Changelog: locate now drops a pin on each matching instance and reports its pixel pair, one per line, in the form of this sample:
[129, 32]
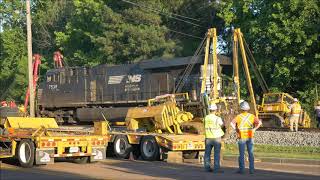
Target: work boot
[251, 171]
[208, 169]
[240, 172]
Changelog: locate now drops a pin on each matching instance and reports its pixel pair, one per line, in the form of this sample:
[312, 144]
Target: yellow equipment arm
[211, 39]
[246, 68]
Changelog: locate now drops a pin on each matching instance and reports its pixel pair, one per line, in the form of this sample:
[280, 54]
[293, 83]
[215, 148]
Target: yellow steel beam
[246, 68]
[236, 65]
[205, 63]
[215, 93]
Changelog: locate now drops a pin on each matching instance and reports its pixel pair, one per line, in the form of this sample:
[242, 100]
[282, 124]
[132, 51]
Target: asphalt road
[125, 169]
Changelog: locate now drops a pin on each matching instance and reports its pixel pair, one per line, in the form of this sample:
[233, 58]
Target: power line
[161, 11]
[178, 32]
[165, 14]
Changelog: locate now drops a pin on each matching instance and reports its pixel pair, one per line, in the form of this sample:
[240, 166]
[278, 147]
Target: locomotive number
[53, 87]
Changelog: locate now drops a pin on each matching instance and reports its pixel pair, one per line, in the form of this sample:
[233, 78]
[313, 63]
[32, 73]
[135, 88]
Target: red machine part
[36, 63]
[57, 58]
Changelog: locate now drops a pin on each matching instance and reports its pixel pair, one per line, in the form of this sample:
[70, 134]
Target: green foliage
[13, 65]
[98, 34]
[284, 37]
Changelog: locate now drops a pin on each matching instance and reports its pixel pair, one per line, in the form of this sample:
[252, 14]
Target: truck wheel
[121, 147]
[149, 148]
[81, 160]
[25, 153]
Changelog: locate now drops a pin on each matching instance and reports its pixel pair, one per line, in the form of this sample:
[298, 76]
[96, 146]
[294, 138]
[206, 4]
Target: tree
[13, 65]
[98, 34]
[13, 56]
[284, 37]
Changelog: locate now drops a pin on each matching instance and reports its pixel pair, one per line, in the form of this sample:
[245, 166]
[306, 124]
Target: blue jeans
[210, 143]
[242, 145]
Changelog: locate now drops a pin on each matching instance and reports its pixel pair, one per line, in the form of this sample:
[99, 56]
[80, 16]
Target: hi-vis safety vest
[212, 126]
[245, 125]
[296, 109]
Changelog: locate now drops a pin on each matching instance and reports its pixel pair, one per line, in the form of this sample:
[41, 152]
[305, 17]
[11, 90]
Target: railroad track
[316, 130]
[90, 128]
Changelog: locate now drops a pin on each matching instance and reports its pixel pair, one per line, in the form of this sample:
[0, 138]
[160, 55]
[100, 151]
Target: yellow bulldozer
[275, 111]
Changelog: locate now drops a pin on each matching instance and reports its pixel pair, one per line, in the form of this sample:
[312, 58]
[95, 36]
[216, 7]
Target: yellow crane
[274, 109]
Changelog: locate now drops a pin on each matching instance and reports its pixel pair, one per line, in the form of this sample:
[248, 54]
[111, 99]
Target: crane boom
[246, 68]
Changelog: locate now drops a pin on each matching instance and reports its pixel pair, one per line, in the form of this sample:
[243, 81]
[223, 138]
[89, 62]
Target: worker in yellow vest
[213, 132]
[245, 124]
[295, 114]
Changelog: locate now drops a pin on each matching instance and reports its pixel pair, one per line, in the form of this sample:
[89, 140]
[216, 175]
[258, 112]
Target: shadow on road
[10, 169]
[181, 171]
[126, 169]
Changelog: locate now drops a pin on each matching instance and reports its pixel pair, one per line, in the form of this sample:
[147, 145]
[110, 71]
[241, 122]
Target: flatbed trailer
[39, 141]
[36, 142]
[155, 146]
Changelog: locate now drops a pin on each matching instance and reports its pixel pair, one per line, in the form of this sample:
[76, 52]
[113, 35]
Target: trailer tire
[121, 147]
[149, 148]
[81, 160]
[26, 153]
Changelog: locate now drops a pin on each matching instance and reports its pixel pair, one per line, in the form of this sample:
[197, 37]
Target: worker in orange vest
[245, 124]
[295, 114]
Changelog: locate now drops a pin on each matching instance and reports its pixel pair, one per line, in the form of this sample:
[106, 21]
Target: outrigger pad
[28, 122]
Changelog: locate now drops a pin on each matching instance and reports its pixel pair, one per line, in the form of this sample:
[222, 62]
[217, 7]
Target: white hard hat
[295, 100]
[213, 107]
[244, 105]
[241, 100]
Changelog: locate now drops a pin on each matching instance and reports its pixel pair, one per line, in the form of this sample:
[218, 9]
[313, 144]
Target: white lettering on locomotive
[134, 78]
[131, 87]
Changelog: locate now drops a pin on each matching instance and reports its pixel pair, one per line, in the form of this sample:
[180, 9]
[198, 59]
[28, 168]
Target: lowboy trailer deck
[40, 141]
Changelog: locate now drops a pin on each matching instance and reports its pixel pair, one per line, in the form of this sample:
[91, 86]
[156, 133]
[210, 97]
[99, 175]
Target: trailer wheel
[149, 148]
[25, 153]
[81, 160]
[121, 147]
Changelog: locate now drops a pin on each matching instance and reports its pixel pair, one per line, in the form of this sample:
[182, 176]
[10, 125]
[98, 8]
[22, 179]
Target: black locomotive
[83, 94]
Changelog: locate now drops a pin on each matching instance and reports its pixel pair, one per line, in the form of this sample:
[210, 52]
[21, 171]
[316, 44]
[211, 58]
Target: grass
[303, 152]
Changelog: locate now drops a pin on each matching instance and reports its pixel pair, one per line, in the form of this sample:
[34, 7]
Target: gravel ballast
[281, 138]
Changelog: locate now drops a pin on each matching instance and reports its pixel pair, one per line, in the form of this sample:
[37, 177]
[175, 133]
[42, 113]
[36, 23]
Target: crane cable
[257, 72]
[189, 68]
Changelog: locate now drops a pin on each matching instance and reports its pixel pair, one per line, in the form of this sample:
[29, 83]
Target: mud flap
[43, 156]
[100, 154]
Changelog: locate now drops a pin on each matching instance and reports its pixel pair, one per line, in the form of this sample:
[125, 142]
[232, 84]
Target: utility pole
[30, 68]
